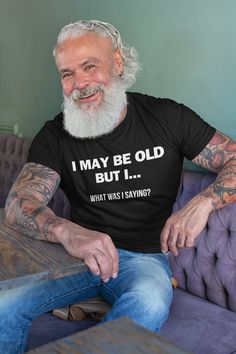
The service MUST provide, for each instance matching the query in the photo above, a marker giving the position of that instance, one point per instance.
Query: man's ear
(119, 62)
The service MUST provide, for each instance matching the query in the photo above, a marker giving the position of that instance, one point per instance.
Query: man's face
(84, 63)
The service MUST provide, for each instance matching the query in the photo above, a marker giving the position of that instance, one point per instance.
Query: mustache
(86, 92)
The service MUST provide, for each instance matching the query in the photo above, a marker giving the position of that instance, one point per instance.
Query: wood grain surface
(23, 259)
(115, 337)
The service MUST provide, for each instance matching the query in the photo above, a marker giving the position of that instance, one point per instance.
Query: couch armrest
(208, 269)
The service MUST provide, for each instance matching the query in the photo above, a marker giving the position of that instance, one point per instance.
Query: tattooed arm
(185, 225)
(220, 156)
(26, 211)
(26, 206)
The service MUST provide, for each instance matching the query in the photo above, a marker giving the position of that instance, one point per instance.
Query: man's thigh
(147, 274)
(142, 291)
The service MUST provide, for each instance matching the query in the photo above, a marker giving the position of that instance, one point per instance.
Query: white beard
(86, 121)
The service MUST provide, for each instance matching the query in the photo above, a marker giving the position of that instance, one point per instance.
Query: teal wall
(187, 48)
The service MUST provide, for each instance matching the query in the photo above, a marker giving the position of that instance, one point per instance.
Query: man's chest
(124, 169)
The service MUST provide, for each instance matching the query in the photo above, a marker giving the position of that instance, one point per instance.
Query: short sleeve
(190, 132)
(45, 148)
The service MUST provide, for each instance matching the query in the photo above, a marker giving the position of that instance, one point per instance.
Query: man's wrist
(210, 199)
(60, 230)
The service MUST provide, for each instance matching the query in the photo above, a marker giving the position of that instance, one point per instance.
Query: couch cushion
(191, 184)
(194, 324)
(208, 269)
(199, 326)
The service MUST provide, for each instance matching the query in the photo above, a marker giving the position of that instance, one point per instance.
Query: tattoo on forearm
(47, 226)
(223, 190)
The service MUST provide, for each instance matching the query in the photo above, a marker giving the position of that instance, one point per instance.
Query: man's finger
(91, 262)
(115, 261)
(189, 241)
(164, 238)
(105, 264)
(172, 244)
(181, 241)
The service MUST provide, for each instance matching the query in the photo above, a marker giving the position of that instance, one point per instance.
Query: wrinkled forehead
(88, 41)
(77, 51)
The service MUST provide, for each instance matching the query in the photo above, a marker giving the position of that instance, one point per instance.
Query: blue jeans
(142, 291)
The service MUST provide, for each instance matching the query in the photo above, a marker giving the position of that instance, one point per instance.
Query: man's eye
(66, 75)
(89, 67)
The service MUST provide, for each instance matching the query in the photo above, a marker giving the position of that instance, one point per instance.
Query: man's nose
(81, 81)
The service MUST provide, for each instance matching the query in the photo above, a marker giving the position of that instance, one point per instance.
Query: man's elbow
(12, 209)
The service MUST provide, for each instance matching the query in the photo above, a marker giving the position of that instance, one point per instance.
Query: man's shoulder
(137, 97)
(55, 124)
(57, 120)
(52, 129)
(157, 106)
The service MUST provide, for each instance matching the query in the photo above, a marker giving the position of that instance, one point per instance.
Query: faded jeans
(142, 291)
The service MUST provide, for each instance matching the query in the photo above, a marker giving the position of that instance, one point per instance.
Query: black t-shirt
(125, 183)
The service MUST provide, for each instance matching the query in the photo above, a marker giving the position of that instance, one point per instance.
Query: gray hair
(103, 29)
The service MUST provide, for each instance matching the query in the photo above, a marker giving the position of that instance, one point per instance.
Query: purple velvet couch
(203, 314)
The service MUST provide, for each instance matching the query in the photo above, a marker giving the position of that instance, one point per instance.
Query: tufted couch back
(207, 270)
(13, 153)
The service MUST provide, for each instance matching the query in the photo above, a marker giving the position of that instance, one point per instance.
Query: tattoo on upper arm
(220, 149)
(33, 189)
(38, 181)
(220, 156)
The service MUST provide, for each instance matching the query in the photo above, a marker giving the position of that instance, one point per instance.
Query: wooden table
(115, 337)
(23, 259)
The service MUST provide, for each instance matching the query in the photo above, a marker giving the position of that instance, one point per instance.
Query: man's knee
(150, 309)
(153, 304)
(154, 290)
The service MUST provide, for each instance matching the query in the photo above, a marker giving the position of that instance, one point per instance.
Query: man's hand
(27, 212)
(182, 228)
(95, 248)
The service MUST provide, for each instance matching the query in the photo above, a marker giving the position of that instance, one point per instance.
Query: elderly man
(118, 156)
